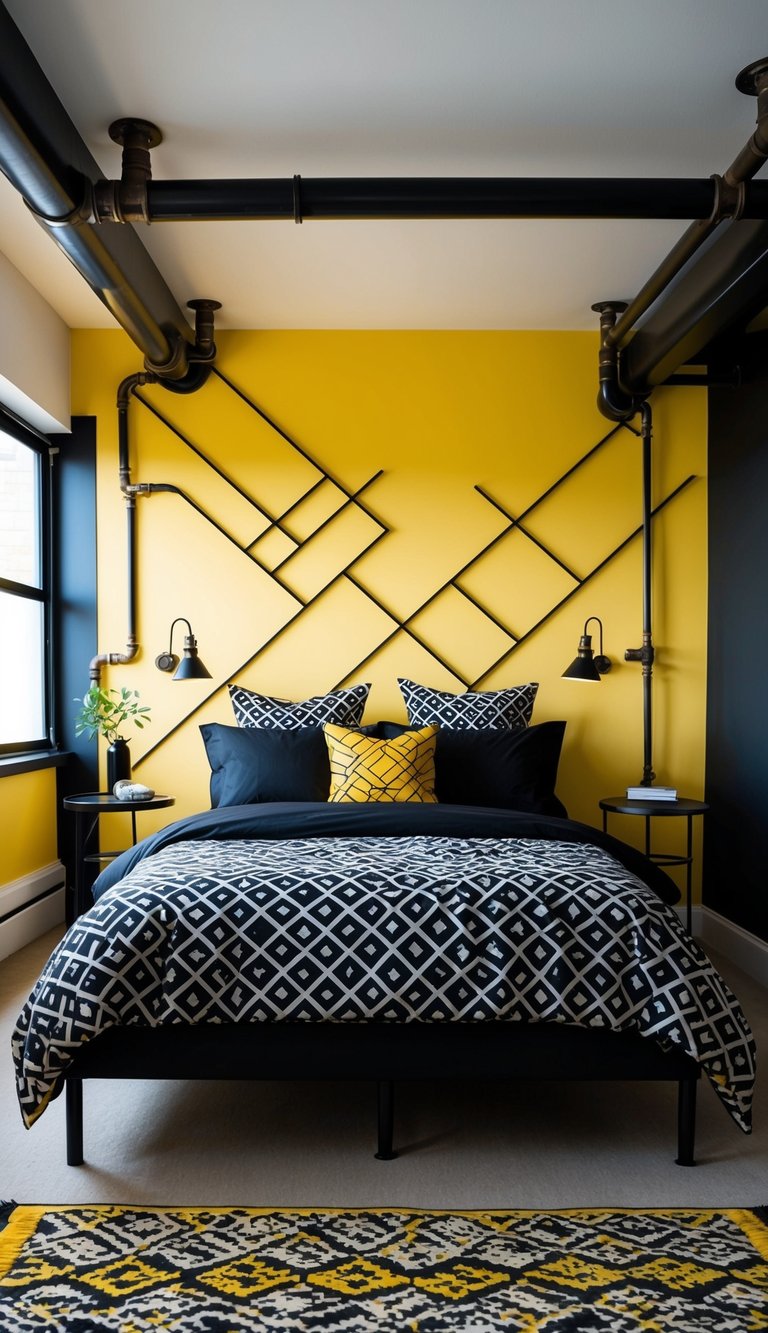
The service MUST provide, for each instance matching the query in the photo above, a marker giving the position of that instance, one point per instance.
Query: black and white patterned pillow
(342, 707)
(476, 709)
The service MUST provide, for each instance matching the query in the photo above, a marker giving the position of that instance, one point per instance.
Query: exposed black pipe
(194, 379)
(729, 201)
(719, 294)
(706, 307)
(125, 389)
(44, 157)
(612, 399)
(646, 653)
(413, 197)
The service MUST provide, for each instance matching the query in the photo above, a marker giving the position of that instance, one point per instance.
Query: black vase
(118, 763)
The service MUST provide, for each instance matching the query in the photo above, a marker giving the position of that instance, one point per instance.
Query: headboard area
(449, 507)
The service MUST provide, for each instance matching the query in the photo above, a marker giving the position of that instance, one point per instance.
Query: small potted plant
(109, 713)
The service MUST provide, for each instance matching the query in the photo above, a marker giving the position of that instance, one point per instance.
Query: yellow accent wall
(440, 413)
(28, 802)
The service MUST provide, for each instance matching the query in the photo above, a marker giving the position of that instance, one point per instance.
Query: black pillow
(505, 769)
(249, 765)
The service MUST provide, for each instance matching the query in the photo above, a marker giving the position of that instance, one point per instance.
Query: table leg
(78, 904)
(73, 1094)
(133, 826)
(648, 835)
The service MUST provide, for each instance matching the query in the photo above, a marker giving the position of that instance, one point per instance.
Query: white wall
(34, 354)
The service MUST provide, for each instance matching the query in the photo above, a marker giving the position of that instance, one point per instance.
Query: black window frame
(41, 445)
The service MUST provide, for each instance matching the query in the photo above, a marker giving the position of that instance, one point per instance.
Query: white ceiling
(395, 87)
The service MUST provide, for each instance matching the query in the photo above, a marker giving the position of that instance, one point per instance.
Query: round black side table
(91, 805)
(683, 807)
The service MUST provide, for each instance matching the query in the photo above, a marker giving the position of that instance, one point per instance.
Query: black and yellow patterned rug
(134, 1269)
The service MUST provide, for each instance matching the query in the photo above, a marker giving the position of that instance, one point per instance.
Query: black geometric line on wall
(275, 522)
(469, 684)
(582, 581)
(293, 444)
(272, 571)
(518, 640)
(278, 522)
(485, 550)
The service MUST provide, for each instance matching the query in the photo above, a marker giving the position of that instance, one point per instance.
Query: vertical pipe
(130, 515)
(646, 433)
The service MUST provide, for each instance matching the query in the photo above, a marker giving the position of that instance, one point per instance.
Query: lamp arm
(588, 622)
(602, 663)
(178, 621)
(167, 661)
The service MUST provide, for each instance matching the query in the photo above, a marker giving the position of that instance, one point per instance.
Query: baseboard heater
(30, 906)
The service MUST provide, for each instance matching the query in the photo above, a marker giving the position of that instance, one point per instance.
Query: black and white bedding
(400, 913)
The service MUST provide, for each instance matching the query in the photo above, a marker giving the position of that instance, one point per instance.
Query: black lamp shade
(191, 667)
(585, 666)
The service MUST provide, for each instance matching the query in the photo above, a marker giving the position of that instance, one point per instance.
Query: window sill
(29, 761)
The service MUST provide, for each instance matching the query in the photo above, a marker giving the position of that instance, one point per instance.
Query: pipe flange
(618, 307)
(130, 130)
(752, 78)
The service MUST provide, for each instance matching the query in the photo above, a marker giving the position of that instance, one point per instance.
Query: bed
(381, 939)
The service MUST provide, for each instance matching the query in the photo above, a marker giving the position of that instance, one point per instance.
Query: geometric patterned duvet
(349, 930)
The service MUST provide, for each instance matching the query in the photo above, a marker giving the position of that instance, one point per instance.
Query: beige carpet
(462, 1146)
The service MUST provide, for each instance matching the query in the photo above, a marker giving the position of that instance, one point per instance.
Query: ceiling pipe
(138, 198)
(713, 281)
(711, 303)
(729, 202)
(44, 157)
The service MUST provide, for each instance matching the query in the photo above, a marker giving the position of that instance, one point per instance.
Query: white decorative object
(132, 791)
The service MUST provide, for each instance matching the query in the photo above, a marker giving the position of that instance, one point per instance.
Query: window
(24, 590)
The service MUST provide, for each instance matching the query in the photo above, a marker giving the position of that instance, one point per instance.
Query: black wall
(736, 828)
(74, 601)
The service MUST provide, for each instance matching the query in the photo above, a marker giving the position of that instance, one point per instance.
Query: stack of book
(651, 793)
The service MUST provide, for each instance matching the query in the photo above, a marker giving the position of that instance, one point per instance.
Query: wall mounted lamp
(190, 667)
(585, 665)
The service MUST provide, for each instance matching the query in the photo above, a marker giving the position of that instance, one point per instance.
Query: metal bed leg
(686, 1121)
(73, 1092)
(386, 1118)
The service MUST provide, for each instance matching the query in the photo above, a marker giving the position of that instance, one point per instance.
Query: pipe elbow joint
(177, 365)
(131, 382)
(112, 659)
(614, 403)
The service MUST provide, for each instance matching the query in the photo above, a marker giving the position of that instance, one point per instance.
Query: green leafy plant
(108, 712)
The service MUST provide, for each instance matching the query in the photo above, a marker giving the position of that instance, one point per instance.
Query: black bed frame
(382, 1053)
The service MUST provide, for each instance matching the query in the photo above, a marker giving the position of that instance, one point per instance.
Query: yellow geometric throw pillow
(366, 769)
